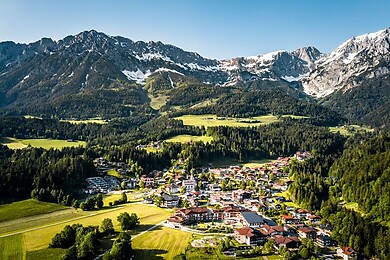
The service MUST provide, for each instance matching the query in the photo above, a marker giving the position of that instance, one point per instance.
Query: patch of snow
(171, 81)
(291, 78)
(71, 74)
(8, 64)
(269, 79)
(153, 56)
(138, 76)
(195, 66)
(26, 77)
(370, 35)
(265, 57)
(168, 70)
(350, 57)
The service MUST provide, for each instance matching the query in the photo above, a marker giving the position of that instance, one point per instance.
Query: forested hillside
(367, 104)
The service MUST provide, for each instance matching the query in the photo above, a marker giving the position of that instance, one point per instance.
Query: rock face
(356, 60)
(94, 60)
(274, 66)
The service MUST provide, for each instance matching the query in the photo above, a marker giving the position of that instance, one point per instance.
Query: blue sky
(213, 28)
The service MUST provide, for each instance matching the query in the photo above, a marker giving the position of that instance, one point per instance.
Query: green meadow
(26, 208)
(14, 143)
(189, 138)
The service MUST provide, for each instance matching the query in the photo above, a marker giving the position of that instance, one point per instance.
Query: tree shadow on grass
(150, 254)
(142, 228)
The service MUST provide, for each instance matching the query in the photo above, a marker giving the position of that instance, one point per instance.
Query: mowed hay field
(13, 143)
(160, 243)
(212, 120)
(189, 138)
(40, 238)
(11, 248)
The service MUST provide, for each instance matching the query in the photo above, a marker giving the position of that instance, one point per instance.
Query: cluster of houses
(209, 200)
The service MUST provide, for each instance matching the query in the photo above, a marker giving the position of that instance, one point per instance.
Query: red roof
(197, 210)
(314, 216)
(307, 230)
(285, 240)
(245, 231)
(347, 250)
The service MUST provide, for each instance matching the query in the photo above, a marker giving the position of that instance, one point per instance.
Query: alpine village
(118, 149)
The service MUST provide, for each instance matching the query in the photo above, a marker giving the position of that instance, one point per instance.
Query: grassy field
(114, 173)
(257, 163)
(99, 121)
(212, 120)
(47, 253)
(40, 238)
(160, 243)
(11, 248)
(20, 225)
(205, 103)
(347, 130)
(152, 150)
(189, 138)
(158, 101)
(27, 208)
(13, 143)
(286, 195)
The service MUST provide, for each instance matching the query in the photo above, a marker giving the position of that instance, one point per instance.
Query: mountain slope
(369, 103)
(356, 60)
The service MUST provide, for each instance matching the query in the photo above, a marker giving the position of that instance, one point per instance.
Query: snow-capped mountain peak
(359, 58)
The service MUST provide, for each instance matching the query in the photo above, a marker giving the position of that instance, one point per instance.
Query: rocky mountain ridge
(92, 60)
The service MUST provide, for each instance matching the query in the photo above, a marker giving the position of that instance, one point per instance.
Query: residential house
(172, 188)
(148, 182)
(302, 213)
(288, 242)
(301, 156)
(148, 201)
(314, 219)
(346, 252)
(240, 195)
(249, 236)
(307, 232)
(169, 201)
(323, 240)
(288, 219)
(271, 231)
(189, 184)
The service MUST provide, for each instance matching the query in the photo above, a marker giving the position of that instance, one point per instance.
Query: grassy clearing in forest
(14, 143)
(212, 120)
(190, 138)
